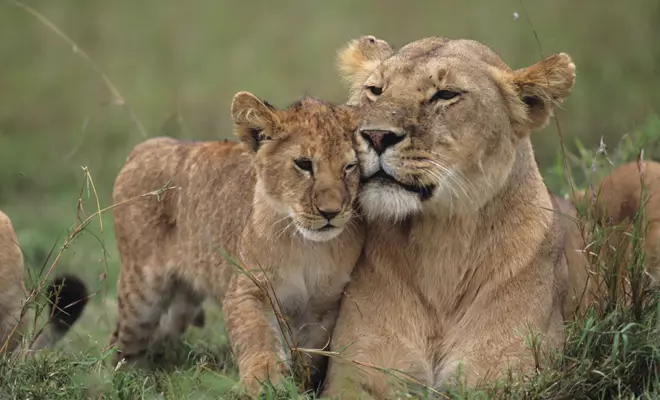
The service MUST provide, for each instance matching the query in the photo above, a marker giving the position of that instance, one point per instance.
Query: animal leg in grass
(141, 307)
(255, 342)
(182, 312)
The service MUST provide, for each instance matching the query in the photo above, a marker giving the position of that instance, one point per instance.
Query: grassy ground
(611, 352)
(181, 64)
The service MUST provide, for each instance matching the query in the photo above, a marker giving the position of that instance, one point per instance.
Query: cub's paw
(268, 369)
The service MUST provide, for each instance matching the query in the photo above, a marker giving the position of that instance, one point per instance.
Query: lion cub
(279, 202)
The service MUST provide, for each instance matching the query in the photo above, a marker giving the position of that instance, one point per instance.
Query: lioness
(66, 294)
(464, 253)
(280, 202)
(582, 285)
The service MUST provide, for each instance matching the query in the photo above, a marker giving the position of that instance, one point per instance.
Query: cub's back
(150, 163)
(157, 162)
(170, 187)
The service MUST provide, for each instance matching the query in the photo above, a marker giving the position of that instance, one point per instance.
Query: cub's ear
(350, 117)
(539, 86)
(254, 120)
(358, 59)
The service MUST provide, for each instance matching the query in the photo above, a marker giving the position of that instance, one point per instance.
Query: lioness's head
(304, 159)
(442, 120)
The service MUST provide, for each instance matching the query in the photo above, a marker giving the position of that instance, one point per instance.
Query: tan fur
(12, 292)
(464, 254)
(13, 323)
(357, 59)
(613, 204)
(258, 207)
(617, 199)
(582, 283)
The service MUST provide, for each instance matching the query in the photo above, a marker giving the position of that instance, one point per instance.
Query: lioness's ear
(254, 120)
(540, 85)
(358, 59)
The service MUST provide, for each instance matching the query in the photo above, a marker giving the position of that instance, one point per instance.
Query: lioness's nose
(380, 140)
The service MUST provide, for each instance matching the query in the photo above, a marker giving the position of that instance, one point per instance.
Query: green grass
(182, 64)
(611, 352)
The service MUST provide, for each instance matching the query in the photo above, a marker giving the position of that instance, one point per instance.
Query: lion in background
(280, 202)
(66, 295)
(464, 254)
(612, 203)
(618, 198)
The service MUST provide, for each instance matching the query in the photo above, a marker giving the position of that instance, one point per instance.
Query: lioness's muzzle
(380, 139)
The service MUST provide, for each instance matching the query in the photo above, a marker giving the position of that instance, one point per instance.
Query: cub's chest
(309, 282)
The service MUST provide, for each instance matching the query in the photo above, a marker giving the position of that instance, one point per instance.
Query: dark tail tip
(67, 295)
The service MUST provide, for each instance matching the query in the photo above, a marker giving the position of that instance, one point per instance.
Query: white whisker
(286, 227)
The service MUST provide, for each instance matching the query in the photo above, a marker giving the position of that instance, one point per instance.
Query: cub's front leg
(254, 341)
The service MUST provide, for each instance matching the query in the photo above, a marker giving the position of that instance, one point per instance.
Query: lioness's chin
(320, 235)
(391, 202)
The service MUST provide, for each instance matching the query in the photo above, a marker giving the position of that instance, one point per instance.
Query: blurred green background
(182, 62)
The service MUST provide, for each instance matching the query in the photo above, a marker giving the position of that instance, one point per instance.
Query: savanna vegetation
(82, 82)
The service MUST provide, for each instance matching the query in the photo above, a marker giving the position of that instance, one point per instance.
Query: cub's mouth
(423, 191)
(322, 234)
(326, 228)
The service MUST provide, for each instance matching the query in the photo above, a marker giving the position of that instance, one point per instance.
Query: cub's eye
(375, 90)
(350, 166)
(303, 164)
(443, 95)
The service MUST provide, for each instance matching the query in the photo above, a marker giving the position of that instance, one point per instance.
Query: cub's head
(304, 159)
(442, 121)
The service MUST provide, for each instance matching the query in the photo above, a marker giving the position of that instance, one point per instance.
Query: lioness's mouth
(424, 191)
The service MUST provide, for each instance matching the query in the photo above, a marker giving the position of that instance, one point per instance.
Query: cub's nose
(329, 214)
(380, 140)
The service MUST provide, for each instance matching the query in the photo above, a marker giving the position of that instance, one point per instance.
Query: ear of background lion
(67, 297)
(254, 120)
(358, 59)
(537, 87)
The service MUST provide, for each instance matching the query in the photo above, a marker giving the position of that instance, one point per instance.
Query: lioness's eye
(375, 90)
(443, 95)
(350, 166)
(303, 164)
